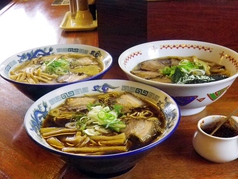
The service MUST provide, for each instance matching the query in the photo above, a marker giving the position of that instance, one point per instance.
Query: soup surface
(58, 68)
(180, 70)
(226, 130)
(100, 124)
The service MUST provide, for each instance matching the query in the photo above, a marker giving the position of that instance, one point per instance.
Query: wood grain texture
(212, 21)
(121, 26)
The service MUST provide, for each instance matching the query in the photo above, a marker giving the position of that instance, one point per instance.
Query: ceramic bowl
(213, 148)
(191, 98)
(34, 91)
(111, 164)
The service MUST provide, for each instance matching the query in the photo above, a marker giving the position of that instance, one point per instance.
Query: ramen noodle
(100, 124)
(58, 68)
(180, 70)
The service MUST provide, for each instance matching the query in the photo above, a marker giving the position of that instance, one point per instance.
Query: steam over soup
(58, 68)
(180, 70)
(100, 124)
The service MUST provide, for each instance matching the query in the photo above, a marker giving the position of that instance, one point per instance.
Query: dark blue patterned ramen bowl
(33, 89)
(110, 164)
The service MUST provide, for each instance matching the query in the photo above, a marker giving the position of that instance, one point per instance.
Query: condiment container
(222, 148)
(73, 8)
(80, 13)
(83, 15)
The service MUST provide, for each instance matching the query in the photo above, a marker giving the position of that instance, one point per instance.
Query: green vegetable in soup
(181, 77)
(103, 116)
(180, 70)
(185, 66)
(59, 67)
(190, 72)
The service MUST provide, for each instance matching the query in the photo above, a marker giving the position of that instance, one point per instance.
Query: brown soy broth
(225, 131)
(108, 99)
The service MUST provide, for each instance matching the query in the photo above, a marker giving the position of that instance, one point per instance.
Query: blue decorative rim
(170, 107)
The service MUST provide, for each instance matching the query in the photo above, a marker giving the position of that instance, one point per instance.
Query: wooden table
(26, 24)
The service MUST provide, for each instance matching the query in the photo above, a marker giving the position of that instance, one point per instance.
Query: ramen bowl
(191, 98)
(34, 91)
(108, 164)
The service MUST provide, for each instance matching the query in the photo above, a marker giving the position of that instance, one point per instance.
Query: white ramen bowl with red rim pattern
(191, 98)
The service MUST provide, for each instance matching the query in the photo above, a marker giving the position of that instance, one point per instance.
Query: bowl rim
(120, 60)
(124, 154)
(6, 77)
(214, 117)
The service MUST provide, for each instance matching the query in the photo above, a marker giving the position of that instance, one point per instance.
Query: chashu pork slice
(146, 74)
(129, 102)
(142, 129)
(85, 61)
(71, 78)
(79, 103)
(152, 65)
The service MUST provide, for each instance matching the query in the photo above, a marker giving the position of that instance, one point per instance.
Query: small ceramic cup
(212, 148)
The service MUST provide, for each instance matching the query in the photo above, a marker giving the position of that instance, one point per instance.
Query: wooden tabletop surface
(31, 23)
